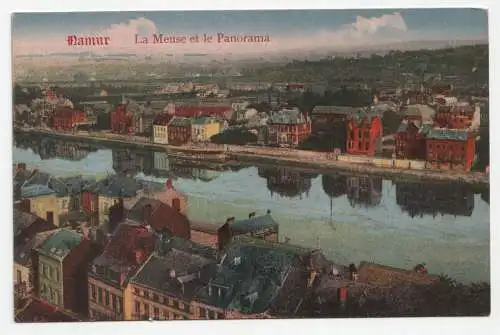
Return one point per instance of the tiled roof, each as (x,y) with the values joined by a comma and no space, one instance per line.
(23,220)
(333,110)
(203,120)
(33,191)
(363,114)
(206,227)
(175,272)
(119,254)
(118,186)
(38,310)
(255,224)
(162,119)
(61,243)
(251,275)
(22,251)
(287,116)
(448,134)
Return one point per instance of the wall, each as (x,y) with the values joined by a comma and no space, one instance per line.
(96,307)
(52,281)
(203,238)
(43,204)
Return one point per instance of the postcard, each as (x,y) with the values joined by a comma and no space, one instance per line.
(212,165)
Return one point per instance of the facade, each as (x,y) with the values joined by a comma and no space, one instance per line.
(410,140)
(65,118)
(129,246)
(364,130)
(62,260)
(203,128)
(288,127)
(418,114)
(144,122)
(325,117)
(453,149)
(179,131)
(121,121)
(165,285)
(458,116)
(160,128)
(37,310)
(44,205)
(172,197)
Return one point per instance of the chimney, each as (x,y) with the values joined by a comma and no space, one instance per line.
(169,185)
(268,212)
(251,215)
(230,220)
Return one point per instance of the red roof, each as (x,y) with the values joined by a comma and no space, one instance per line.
(126,241)
(163,119)
(38,310)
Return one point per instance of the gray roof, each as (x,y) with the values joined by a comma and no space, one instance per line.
(136,212)
(287,116)
(60,244)
(176,272)
(448,134)
(22,251)
(255,224)
(252,275)
(364,114)
(424,111)
(118,186)
(23,220)
(179,121)
(206,227)
(333,110)
(33,191)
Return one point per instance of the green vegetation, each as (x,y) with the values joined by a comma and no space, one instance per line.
(237,136)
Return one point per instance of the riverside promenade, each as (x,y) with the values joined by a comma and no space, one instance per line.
(324,161)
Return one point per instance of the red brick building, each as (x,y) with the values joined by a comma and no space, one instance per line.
(179,130)
(65,118)
(454,116)
(288,127)
(410,140)
(364,129)
(190,111)
(453,149)
(121,121)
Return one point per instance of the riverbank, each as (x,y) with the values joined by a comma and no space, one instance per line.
(323,162)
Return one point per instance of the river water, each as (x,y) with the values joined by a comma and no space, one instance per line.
(351,218)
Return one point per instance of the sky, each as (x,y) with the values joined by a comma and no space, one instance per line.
(287,30)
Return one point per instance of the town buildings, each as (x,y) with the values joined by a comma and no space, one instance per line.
(128,247)
(179,131)
(203,128)
(65,118)
(453,149)
(165,285)
(61,263)
(288,127)
(160,128)
(364,130)
(121,120)
(458,116)
(37,310)
(418,114)
(410,140)
(326,117)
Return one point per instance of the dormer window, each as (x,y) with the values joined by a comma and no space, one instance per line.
(237,261)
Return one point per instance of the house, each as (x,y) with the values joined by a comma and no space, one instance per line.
(262,227)
(24,274)
(172,197)
(258,279)
(453,149)
(239,105)
(121,120)
(205,233)
(144,121)
(26,225)
(160,216)
(410,140)
(165,285)
(128,247)
(37,311)
(65,118)
(61,263)
(458,116)
(160,128)
(203,128)
(42,201)
(324,117)
(190,111)
(364,131)
(288,127)
(179,130)
(418,114)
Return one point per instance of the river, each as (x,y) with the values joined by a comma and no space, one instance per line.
(351,218)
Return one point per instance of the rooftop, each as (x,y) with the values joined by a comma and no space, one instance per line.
(287,116)
(386,276)
(178,121)
(255,224)
(37,310)
(333,110)
(205,226)
(23,220)
(61,243)
(448,134)
(118,186)
(22,251)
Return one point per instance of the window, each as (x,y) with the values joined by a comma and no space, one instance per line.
(99,295)
(113,301)
(220,316)
(19,277)
(367,133)
(175,303)
(106,297)
(203,312)
(146,309)
(120,303)
(137,307)
(92,291)
(136,291)
(146,294)
(155,297)
(57,276)
(156,312)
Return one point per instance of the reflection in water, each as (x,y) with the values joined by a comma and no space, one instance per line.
(49,148)
(334,185)
(287,182)
(364,190)
(418,199)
